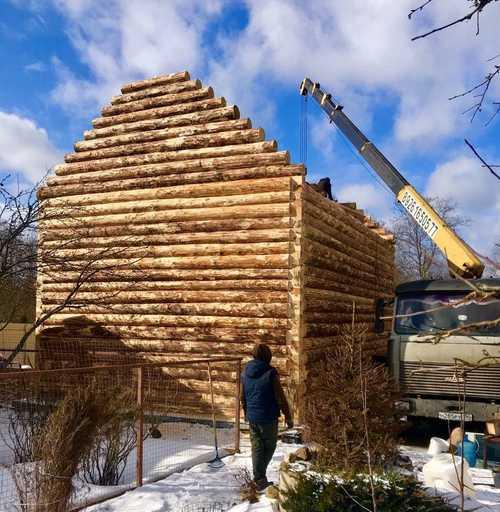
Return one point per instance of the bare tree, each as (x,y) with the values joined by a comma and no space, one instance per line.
(480,92)
(18,213)
(23,260)
(417,257)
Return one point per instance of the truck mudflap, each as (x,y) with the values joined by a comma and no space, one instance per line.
(446,409)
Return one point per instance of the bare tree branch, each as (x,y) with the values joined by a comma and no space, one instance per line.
(495,113)
(489,261)
(482,88)
(419,8)
(482,159)
(463,328)
(478,106)
(77,257)
(479,5)
(417,257)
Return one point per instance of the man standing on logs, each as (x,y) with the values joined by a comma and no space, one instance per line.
(263,400)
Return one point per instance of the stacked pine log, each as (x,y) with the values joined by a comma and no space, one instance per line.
(206,240)
(194,205)
(348,263)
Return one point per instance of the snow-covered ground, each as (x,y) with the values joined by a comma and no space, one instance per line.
(182,446)
(199,485)
(486,499)
(180,458)
(203,485)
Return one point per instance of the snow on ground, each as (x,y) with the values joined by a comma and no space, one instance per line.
(199,485)
(486,499)
(182,445)
(180,458)
(202,485)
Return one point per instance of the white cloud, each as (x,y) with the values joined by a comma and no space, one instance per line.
(121,41)
(466,182)
(25,148)
(322,135)
(377,201)
(362,53)
(35,66)
(476,193)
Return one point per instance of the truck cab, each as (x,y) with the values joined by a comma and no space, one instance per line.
(424,367)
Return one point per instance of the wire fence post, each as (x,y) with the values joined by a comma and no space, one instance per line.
(140,428)
(237,408)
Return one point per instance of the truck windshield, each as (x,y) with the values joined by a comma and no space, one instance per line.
(439,312)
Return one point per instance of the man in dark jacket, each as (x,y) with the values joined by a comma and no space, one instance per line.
(263,399)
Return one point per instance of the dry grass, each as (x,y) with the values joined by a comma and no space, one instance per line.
(69,435)
(248,489)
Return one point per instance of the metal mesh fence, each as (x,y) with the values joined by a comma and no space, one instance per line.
(72,437)
(216,506)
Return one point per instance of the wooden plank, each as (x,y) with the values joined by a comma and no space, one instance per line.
(119,332)
(230,237)
(150,112)
(140,429)
(235,162)
(224,134)
(189,214)
(155,274)
(202,309)
(169,296)
(194,264)
(173,320)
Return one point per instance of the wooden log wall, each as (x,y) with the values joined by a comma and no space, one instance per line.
(203,239)
(194,206)
(348,261)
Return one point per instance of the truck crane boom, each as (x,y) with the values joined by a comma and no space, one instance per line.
(460,257)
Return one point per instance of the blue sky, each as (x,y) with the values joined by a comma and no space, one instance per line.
(63,59)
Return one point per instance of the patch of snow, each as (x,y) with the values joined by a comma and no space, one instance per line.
(486,499)
(204,485)
(182,446)
(264,505)
(200,484)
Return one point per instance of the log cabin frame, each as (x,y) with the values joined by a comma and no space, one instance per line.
(235,247)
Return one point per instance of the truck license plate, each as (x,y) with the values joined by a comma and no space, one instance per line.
(453,416)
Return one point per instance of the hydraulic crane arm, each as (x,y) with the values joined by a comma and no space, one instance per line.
(461,258)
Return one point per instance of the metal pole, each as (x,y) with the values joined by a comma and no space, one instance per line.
(140,429)
(237,408)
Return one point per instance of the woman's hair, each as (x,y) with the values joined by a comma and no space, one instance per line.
(262,352)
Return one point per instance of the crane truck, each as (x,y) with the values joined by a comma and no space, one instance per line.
(424,369)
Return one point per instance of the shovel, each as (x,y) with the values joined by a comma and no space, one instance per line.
(215,463)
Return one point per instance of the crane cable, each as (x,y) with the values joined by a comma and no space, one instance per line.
(361,161)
